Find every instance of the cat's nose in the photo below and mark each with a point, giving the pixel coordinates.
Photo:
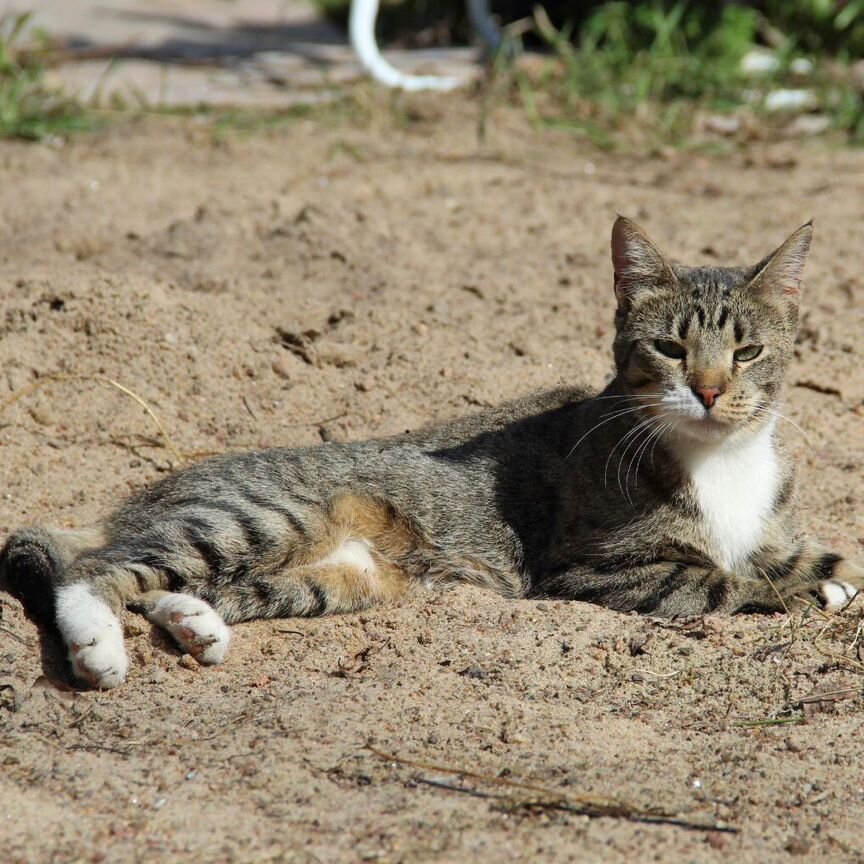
(707, 395)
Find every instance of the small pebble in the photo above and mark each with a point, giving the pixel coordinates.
(716, 840)
(281, 368)
(796, 846)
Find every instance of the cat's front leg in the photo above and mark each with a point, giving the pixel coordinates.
(810, 572)
(771, 581)
(664, 588)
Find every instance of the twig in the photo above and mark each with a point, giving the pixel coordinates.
(776, 721)
(452, 787)
(816, 387)
(827, 696)
(315, 422)
(840, 658)
(810, 606)
(100, 747)
(249, 408)
(100, 379)
(587, 805)
(857, 635)
(658, 674)
(21, 639)
(82, 716)
(768, 579)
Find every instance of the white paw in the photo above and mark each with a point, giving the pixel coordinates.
(835, 595)
(195, 626)
(94, 636)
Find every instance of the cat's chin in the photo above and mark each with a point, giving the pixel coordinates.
(706, 430)
(711, 431)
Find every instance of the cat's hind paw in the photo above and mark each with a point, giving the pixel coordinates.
(93, 635)
(195, 625)
(835, 594)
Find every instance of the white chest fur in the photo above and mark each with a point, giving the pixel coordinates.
(735, 484)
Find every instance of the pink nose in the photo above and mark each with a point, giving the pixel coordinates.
(707, 395)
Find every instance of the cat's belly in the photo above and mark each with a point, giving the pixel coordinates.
(736, 487)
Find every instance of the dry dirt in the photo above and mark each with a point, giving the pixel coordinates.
(417, 275)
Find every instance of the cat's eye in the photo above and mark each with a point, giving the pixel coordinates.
(749, 352)
(670, 349)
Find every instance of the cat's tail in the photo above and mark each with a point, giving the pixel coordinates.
(33, 564)
(63, 580)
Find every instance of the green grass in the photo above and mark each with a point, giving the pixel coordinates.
(30, 109)
(655, 65)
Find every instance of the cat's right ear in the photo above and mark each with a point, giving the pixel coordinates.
(780, 274)
(637, 262)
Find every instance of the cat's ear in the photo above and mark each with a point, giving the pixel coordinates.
(779, 275)
(637, 262)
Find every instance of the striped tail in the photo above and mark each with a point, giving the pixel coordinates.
(33, 562)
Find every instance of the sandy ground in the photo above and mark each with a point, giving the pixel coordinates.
(421, 275)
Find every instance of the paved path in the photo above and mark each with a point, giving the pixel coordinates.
(265, 53)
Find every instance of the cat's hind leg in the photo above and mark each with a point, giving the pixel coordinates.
(363, 553)
(358, 581)
(193, 623)
(93, 635)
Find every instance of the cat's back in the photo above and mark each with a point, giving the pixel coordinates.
(541, 418)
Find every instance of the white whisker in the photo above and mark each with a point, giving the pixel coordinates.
(674, 426)
(763, 408)
(640, 448)
(655, 436)
(634, 431)
(631, 396)
(609, 419)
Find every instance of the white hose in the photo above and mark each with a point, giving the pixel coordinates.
(362, 30)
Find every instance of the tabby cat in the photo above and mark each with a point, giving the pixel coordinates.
(667, 493)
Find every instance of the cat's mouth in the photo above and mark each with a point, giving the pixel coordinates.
(715, 427)
(709, 424)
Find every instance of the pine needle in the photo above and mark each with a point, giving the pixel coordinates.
(99, 379)
(550, 799)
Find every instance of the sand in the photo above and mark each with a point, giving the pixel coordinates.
(346, 277)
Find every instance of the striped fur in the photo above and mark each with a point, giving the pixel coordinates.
(642, 497)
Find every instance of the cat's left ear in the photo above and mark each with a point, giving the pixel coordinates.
(779, 275)
(639, 265)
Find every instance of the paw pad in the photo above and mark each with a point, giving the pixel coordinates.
(196, 627)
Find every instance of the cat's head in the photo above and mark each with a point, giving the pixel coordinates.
(705, 348)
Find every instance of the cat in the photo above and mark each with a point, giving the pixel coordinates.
(667, 493)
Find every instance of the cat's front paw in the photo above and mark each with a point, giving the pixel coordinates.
(195, 625)
(835, 595)
(847, 581)
(94, 636)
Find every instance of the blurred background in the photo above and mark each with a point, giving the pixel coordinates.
(679, 70)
